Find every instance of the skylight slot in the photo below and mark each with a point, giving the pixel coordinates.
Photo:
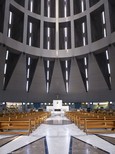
(85, 61)
(48, 63)
(9, 32)
(66, 75)
(28, 73)
(66, 45)
(83, 31)
(83, 27)
(103, 21)
(48, 45)
(31, 6)
(86, 73)
(28, 61)
(67, 87)
(48, 8)
(30, 28)
(105, 34)
(65, 9)
(65, 31)
(7, 53)
(84, 41)
(66, 64)
(87, 85)
(10, 18)
(30, 41)
(27, 85)
(109, 70)
(48, 11)
(5, 67)
(48, 31)
(107, 55)
(103, 17)
(82, 6)
(47, 87)
(47, 75)
(65, 34)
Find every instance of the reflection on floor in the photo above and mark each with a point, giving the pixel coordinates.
(35, 147)
(80, 147)
(57, 136)
(58, 122)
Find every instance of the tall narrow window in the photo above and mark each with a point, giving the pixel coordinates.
(104, 24)
(48, 63)
(65, 34)
(28, 74)
(10, 22)
(86, 73)
(65, 66)
(108, 65)
(65, 8)
(48, 8)
(47, 77)
(31, 6)
(27, 85)
(66, 76)
(83, 31)
(47, 87)
(49, 36)
(30, 34)
(5, 66)
(82, 5)
(67, 87)
(80, 32)
(48, 40)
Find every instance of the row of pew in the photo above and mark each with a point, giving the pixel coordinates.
(93, 122)
(22, 123)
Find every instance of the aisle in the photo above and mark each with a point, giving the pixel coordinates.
(57, 136)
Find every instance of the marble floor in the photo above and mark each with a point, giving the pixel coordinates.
(57, 135)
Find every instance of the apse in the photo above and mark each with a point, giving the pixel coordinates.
(51, 48)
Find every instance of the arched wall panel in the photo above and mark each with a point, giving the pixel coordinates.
(76, 84)
(96, 79)
(41, 34)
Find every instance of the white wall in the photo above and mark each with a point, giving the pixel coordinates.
(57, 104)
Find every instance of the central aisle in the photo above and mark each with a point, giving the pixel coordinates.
(58, 134)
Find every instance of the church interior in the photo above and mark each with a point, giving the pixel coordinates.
(57, 76)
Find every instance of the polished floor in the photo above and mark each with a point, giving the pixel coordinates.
(58, 135)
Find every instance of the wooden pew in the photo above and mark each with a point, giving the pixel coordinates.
(15, 127)
(21, 123)
(93, 122)
(99, 126)
(81, 120)
(33, 120)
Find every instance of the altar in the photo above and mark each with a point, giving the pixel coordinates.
(58, 107)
